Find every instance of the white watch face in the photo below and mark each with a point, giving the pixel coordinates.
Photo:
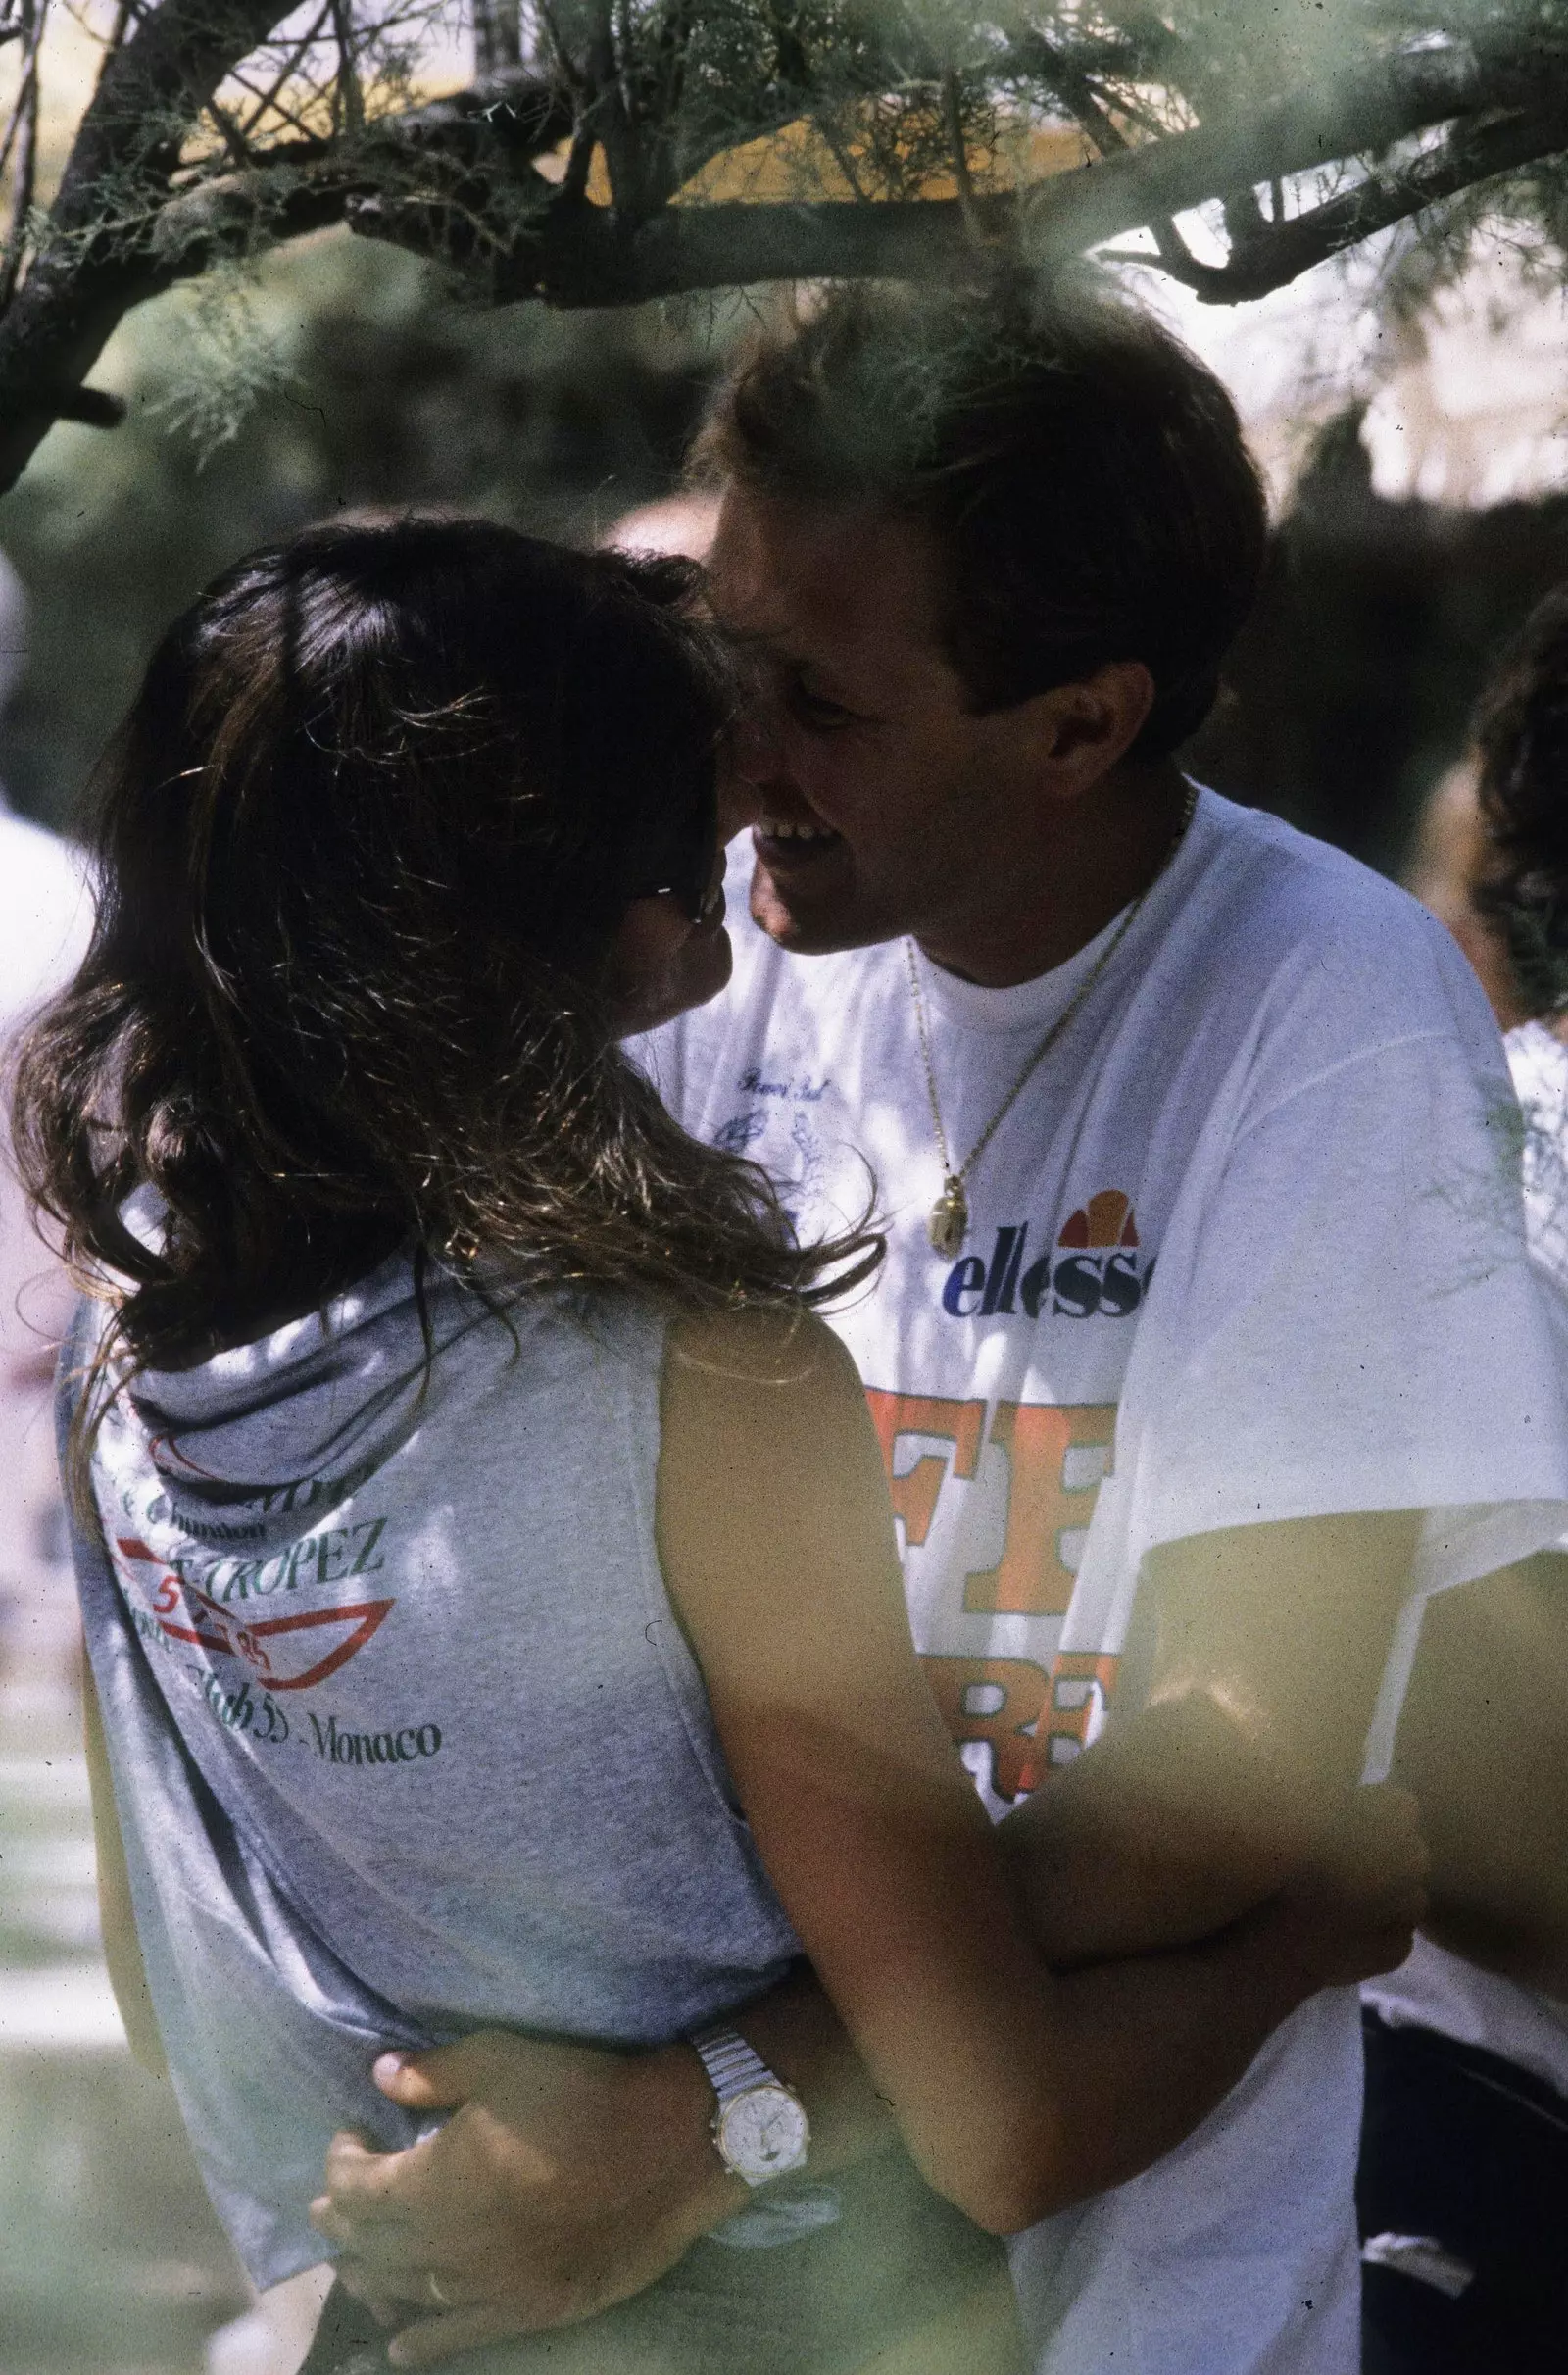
(762, 2133)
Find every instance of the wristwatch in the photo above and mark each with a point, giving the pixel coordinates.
(759, 2125)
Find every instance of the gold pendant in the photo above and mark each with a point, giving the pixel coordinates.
(949, 1224)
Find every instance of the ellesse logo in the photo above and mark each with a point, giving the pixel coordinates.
(1096, 1268)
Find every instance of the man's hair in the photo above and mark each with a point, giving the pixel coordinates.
(1521, 736)
(1084, 477)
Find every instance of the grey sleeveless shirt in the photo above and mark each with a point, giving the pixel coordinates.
(404, 1736)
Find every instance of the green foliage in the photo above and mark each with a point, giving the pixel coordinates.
(336, 374)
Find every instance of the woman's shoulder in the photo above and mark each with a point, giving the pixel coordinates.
(762, 1399)
(757, 1344)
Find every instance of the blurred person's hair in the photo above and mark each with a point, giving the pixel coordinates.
(1521, 738)
(1084, 477)
(13, 630)
(364, 845)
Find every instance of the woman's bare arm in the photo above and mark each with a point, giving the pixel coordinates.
(1017, 2092)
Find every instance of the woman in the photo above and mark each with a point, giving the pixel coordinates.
(474, 1519)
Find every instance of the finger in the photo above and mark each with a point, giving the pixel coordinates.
(328, 2220)
(350, 2159)
(359, 2227)
(361, 2182)
(357, 2281)
(439, 2080)
(433, 2339)
(405, 2283)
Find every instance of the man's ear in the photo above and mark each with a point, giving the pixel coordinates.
(1077, 733)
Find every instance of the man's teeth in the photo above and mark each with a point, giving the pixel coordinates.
(798, 832)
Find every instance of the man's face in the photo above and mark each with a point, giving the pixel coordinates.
(880, 806)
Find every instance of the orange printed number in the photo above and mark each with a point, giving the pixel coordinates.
(1081, 1684)
(1045, 1445)
(1055, 1474)
(958, 1424)
(995, 1700)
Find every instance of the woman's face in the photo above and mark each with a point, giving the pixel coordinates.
(661, 963)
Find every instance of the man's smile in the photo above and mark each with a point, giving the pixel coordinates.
(792, 841)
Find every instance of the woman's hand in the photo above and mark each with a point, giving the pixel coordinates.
(565, 2180)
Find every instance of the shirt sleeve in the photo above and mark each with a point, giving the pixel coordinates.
(1345, 1319)
(1350, 1321)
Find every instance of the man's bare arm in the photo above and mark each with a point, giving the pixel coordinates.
(1483, 1744)
(1237, 1728)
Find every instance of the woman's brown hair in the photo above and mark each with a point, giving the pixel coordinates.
(362, 846)
(1521, 738)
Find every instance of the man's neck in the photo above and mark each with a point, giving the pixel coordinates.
(1090, 858)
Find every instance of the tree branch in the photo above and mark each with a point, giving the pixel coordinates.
(1274, 255)
(455, 180)
(346, 89)
(958, 149)
(576, 255)
(91, 274)
(497, 36)
(79, 286)
(1293, 135)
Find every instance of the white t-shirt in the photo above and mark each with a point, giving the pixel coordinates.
(1248, 1247)
(1434, 1989)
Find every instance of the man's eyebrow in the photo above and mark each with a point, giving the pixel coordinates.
(757, 639)
(775, 649)
(783, 654)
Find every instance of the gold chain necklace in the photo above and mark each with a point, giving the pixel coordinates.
(948, 1222)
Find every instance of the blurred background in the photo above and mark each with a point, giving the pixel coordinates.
(1419, 476)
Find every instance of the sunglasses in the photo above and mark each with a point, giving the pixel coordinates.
(680, 862)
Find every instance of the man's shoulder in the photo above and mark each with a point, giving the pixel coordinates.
(1277, 906)
(1297, 879)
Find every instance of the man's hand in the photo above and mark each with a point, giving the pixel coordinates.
(1176, 1824)
(1354, 1910)
(566, 2179)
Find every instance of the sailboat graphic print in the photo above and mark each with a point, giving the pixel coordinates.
(270, 1646)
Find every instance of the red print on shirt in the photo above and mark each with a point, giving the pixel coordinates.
(212, 1627)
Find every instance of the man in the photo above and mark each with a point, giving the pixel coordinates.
(1177, 1355)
